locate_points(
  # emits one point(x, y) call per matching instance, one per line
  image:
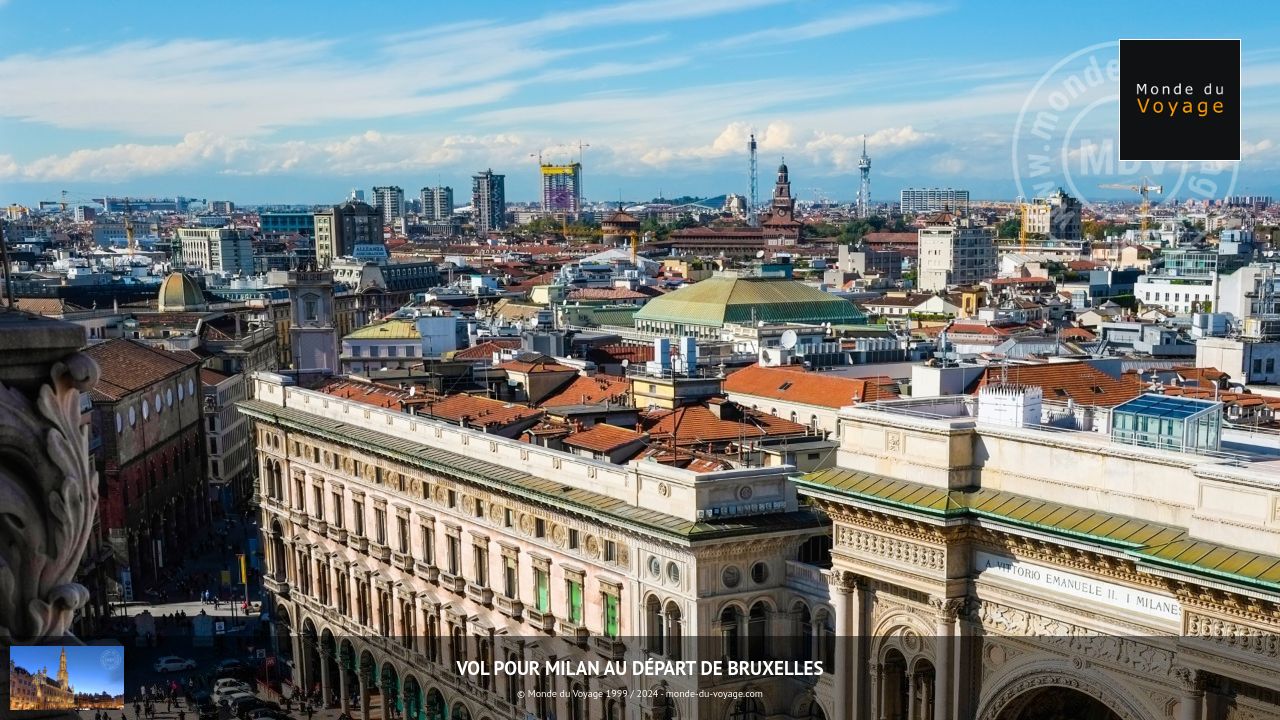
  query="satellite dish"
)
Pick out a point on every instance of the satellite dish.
point(759, 253)
point(789, 339)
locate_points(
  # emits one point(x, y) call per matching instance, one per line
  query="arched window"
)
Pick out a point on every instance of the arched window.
point(758, 632)
point(746, 709)
point(655, 623)
point(794, 417)
point(731, 632)
point(802, 631)
point(826, 631)
point(577, 704)
point(675, 631)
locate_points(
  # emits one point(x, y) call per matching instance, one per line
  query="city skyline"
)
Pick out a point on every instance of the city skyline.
point(279, 107)
point(87, 670)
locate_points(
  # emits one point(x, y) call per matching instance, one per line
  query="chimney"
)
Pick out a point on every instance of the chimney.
point(1010, 405)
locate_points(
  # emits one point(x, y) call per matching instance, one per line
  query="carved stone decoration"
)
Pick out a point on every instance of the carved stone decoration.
point(48, 500)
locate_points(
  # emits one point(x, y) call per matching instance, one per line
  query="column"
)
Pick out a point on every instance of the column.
point(946, 622)
point(324, 673)
point(344, 692)
point(845, 632)
point(364, 694)
point(913, 696)
point(295, 637)
point(861, 690)
point(879, 684)
point(1191, 704)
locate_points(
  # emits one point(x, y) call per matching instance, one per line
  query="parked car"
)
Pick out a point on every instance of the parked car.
point(173, 663)
point(242, 707)
point(228, 682)
point(230, 695)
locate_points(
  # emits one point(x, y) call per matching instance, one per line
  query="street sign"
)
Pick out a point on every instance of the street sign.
point(126, 585)
point(220, 628)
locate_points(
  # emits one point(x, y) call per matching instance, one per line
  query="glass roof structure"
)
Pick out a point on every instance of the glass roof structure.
point(1176, 423)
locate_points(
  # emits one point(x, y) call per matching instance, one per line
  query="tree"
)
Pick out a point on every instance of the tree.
point(1009, 228)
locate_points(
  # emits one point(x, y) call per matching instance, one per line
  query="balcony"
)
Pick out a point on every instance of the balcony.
point(480, 594)
point(574, 633)
point(545, 622)
point(402, 561)
point(510, 607)
point(299, 517)
point(380, 552)
point(430, 573)
point(609, 648)
point(276, 583)
point(455, 584)
point(337, 533)
point(319, 526)
point(359, 543)
point(806, 578)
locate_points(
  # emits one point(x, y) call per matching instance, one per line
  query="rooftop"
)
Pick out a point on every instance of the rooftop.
point(389, 329)
point(808, 388)
point(128, 366)
point(730, 298)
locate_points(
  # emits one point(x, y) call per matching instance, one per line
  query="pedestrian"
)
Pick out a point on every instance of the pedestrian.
point(311, 710)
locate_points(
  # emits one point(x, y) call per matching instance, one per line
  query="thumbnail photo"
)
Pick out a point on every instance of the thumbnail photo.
point(66, 677)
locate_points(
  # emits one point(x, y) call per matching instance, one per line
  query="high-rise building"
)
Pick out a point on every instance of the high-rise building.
point(1055, 218)
point(437, 203)
point(562, 188)
point(489, 201)
point(340, 229)
point(222, 207)
point(955, 250)
point(389, 200)
point(226, 250)
point(923, 200)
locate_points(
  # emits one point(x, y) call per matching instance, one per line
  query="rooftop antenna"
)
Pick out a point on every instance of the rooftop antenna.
point(864, 188)
point(754, 202)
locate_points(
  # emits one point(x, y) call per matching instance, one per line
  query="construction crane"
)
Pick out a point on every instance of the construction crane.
point(1144, 211)
point(1022, 227)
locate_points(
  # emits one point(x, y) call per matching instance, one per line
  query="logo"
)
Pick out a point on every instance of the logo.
point(111, 658)
point(1067, 136)
point(1180, 100)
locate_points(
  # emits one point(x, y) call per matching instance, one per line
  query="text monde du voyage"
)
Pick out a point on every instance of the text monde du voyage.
point(651, 667)
point(1180, 99)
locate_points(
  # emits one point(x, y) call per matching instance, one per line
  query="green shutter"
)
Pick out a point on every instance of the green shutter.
point(575, 603)
point(544, 592)
point(611, 615)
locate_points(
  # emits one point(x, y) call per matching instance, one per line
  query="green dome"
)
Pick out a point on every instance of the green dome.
point(728, 298)
point(180, 293)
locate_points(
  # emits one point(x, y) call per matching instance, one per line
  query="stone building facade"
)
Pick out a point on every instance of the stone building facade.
point(398, 546)
point(1003, 571)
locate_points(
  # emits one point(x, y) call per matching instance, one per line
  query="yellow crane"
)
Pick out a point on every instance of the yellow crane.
point(1022, 227)
point(1144, 211)
point(128, 228)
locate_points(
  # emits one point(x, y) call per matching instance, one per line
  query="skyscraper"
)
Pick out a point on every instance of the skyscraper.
point(437, 202)
point(389, 199)
point(489, 201)
point(562, 188)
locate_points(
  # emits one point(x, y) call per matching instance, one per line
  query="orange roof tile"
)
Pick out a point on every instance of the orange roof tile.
point(476, 411)
point(368, 393)
point(543, 364)
point(808, 388)
point(583, 390)
point(1060, 382)
point(486, 349)
point(128, 366)
point(604, 438)
point(697, 425)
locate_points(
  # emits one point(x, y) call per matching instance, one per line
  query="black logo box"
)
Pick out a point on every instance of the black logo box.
point(1180, 66)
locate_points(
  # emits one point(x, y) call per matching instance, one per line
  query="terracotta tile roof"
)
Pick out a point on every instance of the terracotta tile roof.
point(1208, 377)
point(486, 349)
point(128, 366)
point(808, 388)
point(606, 294)
point(543, 364)
point(1075, 333)
point(1077, 381)
point(478, 412)
point(1081, 265)
point(595, 390)
point(604, 438)
point(617, 353)
point(910, 300)
point(365, 392)
point(698, 425)
point(211, 377)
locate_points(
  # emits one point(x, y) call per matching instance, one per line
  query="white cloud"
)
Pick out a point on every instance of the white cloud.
point(858, 19)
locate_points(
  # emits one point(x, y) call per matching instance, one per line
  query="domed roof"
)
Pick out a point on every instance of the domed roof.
point(180, 293)
point(731, 298)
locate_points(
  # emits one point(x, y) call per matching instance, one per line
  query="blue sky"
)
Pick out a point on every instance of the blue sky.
point(300, 101)
point(86, 668)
